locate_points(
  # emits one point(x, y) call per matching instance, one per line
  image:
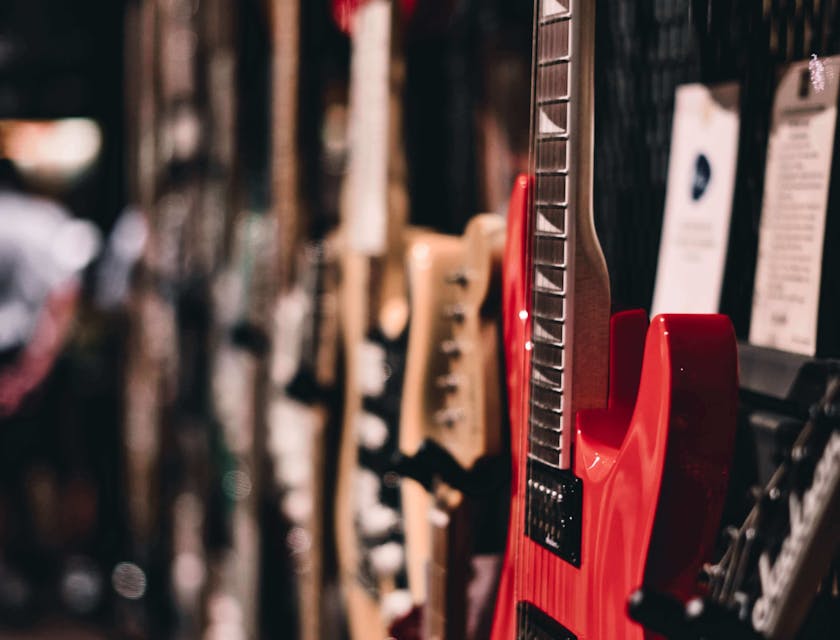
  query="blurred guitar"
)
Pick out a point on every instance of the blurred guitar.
point(451, 437)
point(621, 443)
point(304, 374)
point(374, 316)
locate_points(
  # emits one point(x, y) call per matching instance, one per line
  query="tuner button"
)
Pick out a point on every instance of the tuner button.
point(458, 277)
point(449, 382)
point(372, 369)
point(371, 431)
point(387, 559)
point(450, 348)
point(448, 417)
point(456, 313)
point(295, 471)
point(396, 605)
point(366, 487)
point(297, 505)
point(377, 521)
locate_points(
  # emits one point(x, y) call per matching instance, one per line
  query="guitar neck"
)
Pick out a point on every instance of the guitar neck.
point(285, 174)
point(376, 202)
point(569, 281)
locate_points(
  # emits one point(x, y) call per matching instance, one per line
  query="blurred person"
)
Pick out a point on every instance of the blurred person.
point(43, 253)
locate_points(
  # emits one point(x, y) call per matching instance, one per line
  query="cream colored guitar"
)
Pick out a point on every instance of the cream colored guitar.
point(451, 404)
point(374, 315)
point(305, 332)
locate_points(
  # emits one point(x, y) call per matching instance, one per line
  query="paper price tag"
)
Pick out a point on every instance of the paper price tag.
point(698, 204)
point(788, 274)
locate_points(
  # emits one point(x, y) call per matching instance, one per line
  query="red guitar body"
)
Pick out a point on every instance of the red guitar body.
point(654, 464)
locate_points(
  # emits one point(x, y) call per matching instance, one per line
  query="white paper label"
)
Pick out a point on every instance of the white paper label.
point(369, 96)
point(790, 250)
point(698, 205)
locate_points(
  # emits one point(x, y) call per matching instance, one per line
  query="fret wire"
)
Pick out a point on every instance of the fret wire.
point(541, 316)
point(535, 403)
point(552, 61)
point(554, 319)
point(548, 137)
point(536, 422)
point(553, 431)
point(543, 263)
point(553, 19)
point(547, 365)
point(548, 342)
point(549, 457)
point(545, 390)
point(553, 236)
point(541, 340)
point(550, 292)
point(549, 442)
point(546, 439)
point(549, 234)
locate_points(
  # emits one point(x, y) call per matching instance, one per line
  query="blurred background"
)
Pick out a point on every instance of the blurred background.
point(147, 230)
point(161, 160)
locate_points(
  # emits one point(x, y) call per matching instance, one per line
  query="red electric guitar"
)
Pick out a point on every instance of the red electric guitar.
point(621, 442)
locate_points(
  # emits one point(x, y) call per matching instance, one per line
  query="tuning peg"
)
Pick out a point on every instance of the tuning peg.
point(710, 572)
point(656, 611)
point(450, 348)
point(449, 383)
point(396, 604)
point(371, 431)
point(377, 521)
point(455, 312)
point(387, 559)
point(732, 532)
point(448, 417)
point(458, 277)
point(366, 487)
point(708, 619)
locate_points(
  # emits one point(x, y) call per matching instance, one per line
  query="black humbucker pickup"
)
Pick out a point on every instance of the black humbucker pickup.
point(533, 624)
point(553, 513)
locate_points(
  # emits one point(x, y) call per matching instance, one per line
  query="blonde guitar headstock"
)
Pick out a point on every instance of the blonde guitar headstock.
point(451, 392)
point(452, 377)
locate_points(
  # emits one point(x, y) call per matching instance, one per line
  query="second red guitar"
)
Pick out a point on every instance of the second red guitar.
point(622, 433)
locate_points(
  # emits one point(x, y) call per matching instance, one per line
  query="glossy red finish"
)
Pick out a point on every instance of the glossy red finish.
point(654, 464)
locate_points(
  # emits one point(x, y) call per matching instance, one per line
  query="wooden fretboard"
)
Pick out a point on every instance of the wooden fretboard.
point(561, 221)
